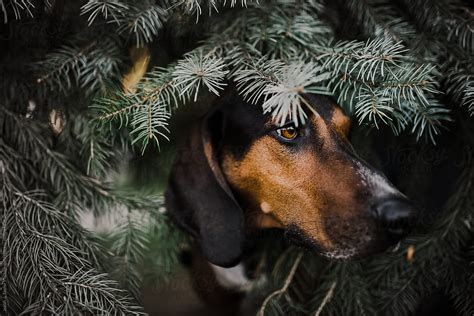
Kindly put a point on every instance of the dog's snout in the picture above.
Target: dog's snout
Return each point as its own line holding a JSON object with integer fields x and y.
{"x": 396, "y": 215}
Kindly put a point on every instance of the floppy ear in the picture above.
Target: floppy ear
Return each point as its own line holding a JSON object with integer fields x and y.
{"x": 199, "y": 199}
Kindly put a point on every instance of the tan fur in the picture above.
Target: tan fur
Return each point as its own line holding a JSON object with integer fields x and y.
{"x": 295, "y": 188}
{"x": 341, "y": 122}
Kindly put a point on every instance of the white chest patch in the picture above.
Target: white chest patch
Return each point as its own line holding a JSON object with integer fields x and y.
{"x": 232, "y": 278}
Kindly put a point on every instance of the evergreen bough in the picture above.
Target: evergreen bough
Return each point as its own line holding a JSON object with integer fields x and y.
{"x": 66, "y": 122}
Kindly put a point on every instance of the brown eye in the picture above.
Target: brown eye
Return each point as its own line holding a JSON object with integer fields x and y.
{"x": 287, "y": 133}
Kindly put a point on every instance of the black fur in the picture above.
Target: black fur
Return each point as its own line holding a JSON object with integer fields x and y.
{"x": 199, "y": 199}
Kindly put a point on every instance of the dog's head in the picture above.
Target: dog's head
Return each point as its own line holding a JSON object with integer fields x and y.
{"x": 238, "y": 169}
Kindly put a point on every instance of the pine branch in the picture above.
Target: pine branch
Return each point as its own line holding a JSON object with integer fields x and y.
{"x": 344, "y": 284}
{"x": 143, "y": 22}
{"x": 104, "y": 8}
{"x": 280, "y": 86}
{"x": 53, "y": 167}
{"x": 460, "y": 284}
{"x": 195, "y": 71}
{"x": 385, "y": 86}
{"x": 61, "y": 64}
{"x": 149, "y": 124}
{"x": 196, "y": 6}
{"x": 145, "y": 249}
{"x": 374, "y": 106}
{"x": 364, "y": 61}
{"x": 460, "y": 85}
{"x": 45, "y": 258}
{"x": 326, "y": 299}
{"x": 148, "y": 109}
{"x": 428, "y": 121}
{"x": 19, "y": 7}
{"x": 15, "y": 165}
{"x": 284, "y": 31}
{"x": 146, "y": 112}
{"x": 163, "y": 248}
{"x": 446, "y": 20}
{"x": 129, "y": 248}
{"x": 379, "y": 18}
{"x": 102, "y": 151}
{"x": 284, "y": 288}
{"x": 90, "y": 67}
{"x": 70, "y": 187}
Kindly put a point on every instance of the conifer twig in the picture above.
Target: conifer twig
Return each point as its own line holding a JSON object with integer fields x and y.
{"x": 326, "y": 299}
{"x": 285, "y": 286}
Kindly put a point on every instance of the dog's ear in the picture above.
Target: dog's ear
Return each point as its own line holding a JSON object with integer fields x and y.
{"x": 199, "y": 199}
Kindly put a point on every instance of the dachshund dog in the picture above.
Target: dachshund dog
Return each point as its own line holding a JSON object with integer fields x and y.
{"x": 239, "y": 170}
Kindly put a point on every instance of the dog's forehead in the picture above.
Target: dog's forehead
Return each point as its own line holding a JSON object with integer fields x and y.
{"x": 245, "y": 123}
{"x": 243, "y": 114}
{"x": 322, "y": 105}
{"x": 244, "y": 118}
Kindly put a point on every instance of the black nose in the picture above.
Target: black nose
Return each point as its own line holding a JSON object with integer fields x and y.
{"x": 396, "y": 215}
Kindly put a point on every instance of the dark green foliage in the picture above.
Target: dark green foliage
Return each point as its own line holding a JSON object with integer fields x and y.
{"x": 67, "y": 127}
{"x": 144, "y": 250}
{"x": 383, "y": 80}
{"x": 49, "y": 262}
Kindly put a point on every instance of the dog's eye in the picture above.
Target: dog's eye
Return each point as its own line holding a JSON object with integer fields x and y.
{"x": 287, "y": 133}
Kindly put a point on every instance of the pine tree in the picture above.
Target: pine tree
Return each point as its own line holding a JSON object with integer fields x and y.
{"x": 75, "y": 103}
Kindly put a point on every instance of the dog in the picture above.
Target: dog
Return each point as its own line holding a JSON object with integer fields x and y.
{"x": 238, "y": 170}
